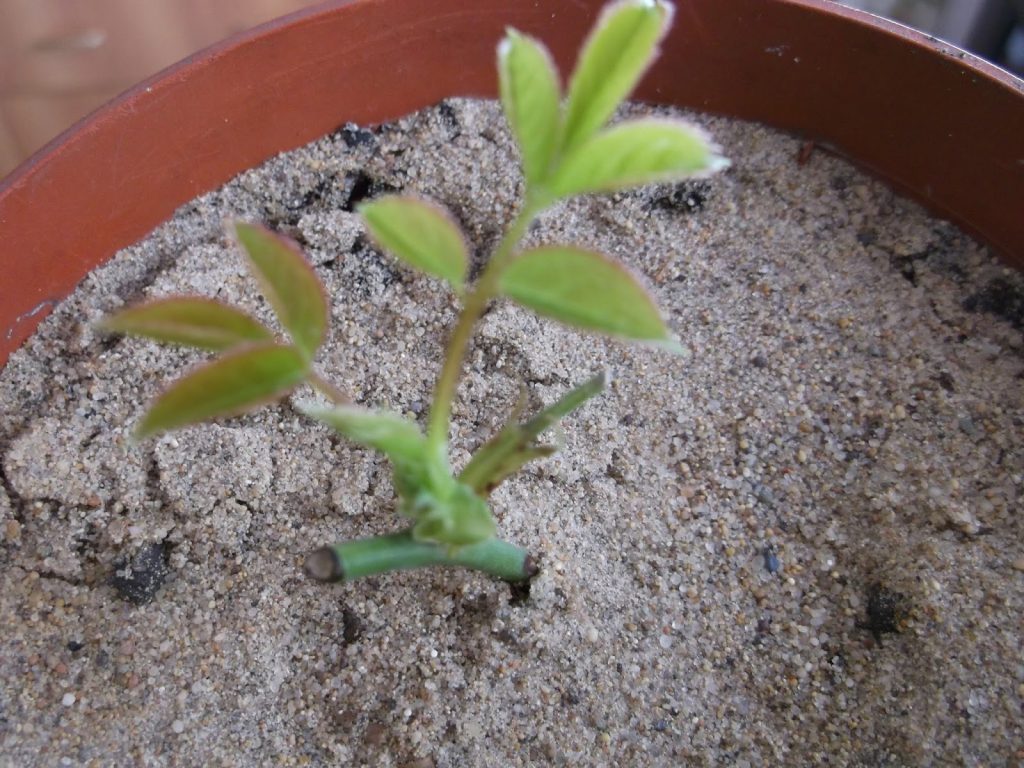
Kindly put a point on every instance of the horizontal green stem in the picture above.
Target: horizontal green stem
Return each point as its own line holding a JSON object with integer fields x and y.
{"x": 351, "y": 560}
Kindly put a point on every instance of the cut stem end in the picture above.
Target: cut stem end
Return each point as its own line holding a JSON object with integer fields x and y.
{"x": 323, "y": 565}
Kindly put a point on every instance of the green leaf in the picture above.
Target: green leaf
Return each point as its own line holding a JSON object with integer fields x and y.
{"x": 420, "y": 234}
{"x": 461, "y": 519}
{"x": 635, "y": 153}
{"x": 617, "y": 53}
{"x": 530, "y": 94}
{"x": 195, "y": 322}
{"x": 289, "y": 283}
{"x": 397, "y": 437}
{"x": 240, "y": 381}
{"x": 584, "y": 289}
{"x": 514, "y": 446}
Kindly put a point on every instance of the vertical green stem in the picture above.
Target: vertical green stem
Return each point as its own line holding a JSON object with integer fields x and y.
{"x": 476, "y": 302}
{"x": 327, "y": 389}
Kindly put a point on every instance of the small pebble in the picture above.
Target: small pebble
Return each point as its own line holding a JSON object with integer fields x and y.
{"x": 139, "y": 582}
{"x": 178, "y": 726}
{"x": 68, "y": 700}
{"x": 375, "y": 734}
{"x": 12, "y": 531}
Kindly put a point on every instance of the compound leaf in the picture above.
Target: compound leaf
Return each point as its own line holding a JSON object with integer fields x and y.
{"x": 195, "y": 322}
{"x": 530, "y": 93}
{"x": 584, "y": 289}
{"x": 620, "y": 48}
{"x": 420, "y": 234}
{"x": 240, "y": 381}
{"x": 289, "y": 283}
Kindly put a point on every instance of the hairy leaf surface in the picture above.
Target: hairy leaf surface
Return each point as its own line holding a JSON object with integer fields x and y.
{"x": 397, "y": 437}
{"x": 530, "y": 96}
{"x": 618, "y": 51}
{"x": 419, "y": 233}
{"x": 584, "y": 289}
{"x": 635, "y": 153}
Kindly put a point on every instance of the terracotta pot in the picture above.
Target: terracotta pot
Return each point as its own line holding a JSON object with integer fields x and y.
{"x": 943, "y": 127}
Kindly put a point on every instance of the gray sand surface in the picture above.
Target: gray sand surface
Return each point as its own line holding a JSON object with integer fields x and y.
{"x": 801, "y": 544}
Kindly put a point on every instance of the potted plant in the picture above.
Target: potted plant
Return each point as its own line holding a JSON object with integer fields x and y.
{"x": 455, "y": 673}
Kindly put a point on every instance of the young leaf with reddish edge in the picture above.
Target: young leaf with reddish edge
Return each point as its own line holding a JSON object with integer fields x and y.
{"x": 635, "y": 153}
{"x": 530, "y": 95}
{"x": 584, "y": 289}
{"x": 419, "y": 233}
{"x": 289, "y": 283}
{"x": 241, "y": 380}
{"x": 191, "y": 321}
{"x": 622, "y": 45}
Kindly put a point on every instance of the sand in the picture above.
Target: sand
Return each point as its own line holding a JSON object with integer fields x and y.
{"x": 798, "y": 544}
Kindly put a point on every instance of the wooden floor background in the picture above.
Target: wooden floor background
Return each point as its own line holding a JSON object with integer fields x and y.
{"x": 60, "y": 59}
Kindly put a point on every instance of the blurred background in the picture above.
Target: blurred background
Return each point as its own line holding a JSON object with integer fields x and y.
{"x": 60, "y": 59}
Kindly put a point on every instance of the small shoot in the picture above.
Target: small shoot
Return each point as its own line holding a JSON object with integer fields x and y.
{"x": 255, "y": 369}
{"x": 444, "y": 510}
{"x": 566, "y": 149}
{"x": 516, "y": 444}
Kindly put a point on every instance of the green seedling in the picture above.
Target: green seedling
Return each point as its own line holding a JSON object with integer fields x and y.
{"x": 566, "y": 149}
